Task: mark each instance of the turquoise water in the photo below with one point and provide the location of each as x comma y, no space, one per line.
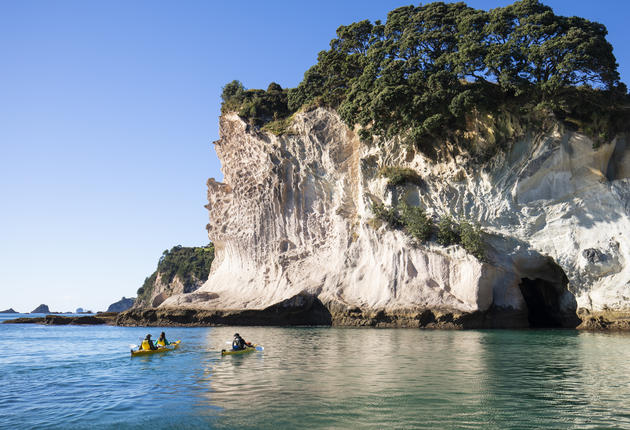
328,378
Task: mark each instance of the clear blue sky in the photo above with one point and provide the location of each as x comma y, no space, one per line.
107,114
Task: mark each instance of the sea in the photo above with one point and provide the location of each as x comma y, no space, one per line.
83,377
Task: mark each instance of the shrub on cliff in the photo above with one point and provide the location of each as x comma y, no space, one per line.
416,222
447,231
387,214
465,233
400,175
258,106
470,235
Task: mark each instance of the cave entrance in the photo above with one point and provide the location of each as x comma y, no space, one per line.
543,303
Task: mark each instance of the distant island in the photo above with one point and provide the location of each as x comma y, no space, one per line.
41,309
8,311
121,305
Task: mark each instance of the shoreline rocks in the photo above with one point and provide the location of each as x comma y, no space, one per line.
319,315
305,310
308,310
108,318
606,320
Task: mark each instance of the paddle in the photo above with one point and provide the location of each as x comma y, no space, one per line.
137,345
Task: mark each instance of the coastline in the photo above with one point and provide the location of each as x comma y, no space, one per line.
107,318
421,319
319,315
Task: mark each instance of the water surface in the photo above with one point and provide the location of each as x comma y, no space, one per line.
84,377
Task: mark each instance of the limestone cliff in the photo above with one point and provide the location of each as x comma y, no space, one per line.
294,218
180,270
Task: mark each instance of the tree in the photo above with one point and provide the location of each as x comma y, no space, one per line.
421,74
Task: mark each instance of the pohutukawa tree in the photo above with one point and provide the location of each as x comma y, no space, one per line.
421,72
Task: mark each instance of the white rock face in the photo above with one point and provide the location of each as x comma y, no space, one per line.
294,215
161,289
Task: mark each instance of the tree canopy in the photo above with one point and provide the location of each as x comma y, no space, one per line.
419,74
189,264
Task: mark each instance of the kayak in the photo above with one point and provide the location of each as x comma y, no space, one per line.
238,351
171,347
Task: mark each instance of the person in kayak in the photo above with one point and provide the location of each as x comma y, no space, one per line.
162,340
147,343
239,343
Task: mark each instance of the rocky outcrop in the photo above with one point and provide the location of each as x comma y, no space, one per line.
181,270
162,288
8,311
41,309
98,319
293,218
604,320
121,305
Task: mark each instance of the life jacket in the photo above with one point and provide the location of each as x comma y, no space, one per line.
238,343
146,345
161,342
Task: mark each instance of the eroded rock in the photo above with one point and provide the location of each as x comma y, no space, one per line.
293,217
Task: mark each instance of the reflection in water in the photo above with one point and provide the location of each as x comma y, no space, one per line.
315,378
373,378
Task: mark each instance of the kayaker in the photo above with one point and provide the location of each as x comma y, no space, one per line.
238,342
162,340
147,343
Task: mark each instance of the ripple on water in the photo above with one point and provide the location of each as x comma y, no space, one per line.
83,377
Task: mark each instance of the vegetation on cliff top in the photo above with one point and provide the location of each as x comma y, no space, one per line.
423,72
189,264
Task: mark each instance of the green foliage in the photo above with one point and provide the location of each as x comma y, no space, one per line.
422,72
147,285
278,126
471,239
416,222
400,175
447,231
258,106
187,263
387,214
233,95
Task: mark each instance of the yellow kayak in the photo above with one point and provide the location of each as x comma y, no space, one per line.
239,351
171,347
